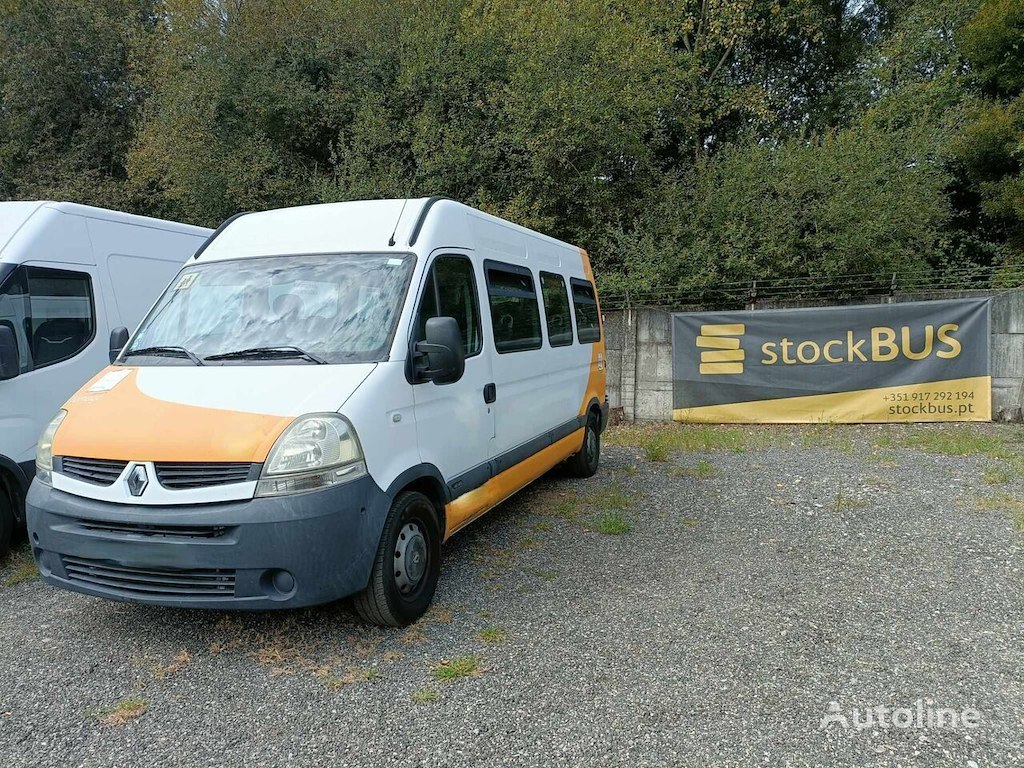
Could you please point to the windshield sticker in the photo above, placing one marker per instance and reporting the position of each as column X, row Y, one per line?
column 186, row 281
column 109, row 381
column 394, row 262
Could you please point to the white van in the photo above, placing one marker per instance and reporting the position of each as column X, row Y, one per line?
column 316, row 403
column 69, row 276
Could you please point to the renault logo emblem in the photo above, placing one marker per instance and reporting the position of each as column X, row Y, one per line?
column 137, row 480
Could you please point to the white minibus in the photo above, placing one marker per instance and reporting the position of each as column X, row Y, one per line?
column 319, row 399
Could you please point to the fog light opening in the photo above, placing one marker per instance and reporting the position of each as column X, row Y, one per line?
column 277, row 584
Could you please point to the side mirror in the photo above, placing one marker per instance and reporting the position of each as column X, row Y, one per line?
column 118, row 338
column 10, row 358
column 445, row 358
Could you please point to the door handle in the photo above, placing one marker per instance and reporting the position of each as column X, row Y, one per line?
column 490, row 393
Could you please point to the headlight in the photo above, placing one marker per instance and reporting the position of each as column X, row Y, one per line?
column 315, row 452
column 44, row 449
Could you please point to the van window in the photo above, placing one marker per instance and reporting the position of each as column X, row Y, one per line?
column 588, row 325
column 51, row 312
column 450, row 291
column 338, row 308
column 515, row 313
column 556, row 309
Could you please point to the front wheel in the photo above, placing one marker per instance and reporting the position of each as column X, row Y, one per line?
column 585, row 463
column 407, row 564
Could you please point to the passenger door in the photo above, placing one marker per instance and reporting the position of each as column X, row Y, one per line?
column 538, row 390
column 455, row 422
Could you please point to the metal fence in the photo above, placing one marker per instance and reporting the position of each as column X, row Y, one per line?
column 816, row 291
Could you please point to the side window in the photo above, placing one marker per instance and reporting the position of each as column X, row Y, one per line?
column 556, row 309
column 52, row 313
column 515, row 313
column 16, row 314
column 588, row 325
column 450, row 291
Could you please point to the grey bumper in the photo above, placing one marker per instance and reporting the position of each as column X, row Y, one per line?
column 281, row 552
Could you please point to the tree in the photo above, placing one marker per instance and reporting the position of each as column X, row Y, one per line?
column 67, row 98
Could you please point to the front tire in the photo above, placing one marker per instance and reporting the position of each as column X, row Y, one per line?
column 407, row 564
column 586, row 462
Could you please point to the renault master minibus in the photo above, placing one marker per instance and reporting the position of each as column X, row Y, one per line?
column 319, row 399
column 69, row 276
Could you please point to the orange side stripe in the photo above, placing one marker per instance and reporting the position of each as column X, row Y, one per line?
column 469, row 506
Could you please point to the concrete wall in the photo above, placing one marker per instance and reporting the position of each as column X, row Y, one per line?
column 639, row 346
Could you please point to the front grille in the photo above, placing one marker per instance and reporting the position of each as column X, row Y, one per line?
column 153, row 582
column 178, row 476
column 95, row 471
column 156, row 531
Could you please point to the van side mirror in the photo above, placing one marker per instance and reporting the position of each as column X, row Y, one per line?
column 118, row 338
column 445, row 360
column 10, row 358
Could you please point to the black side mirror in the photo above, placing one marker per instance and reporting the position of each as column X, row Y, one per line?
column 118, row 338
column 445, row 358
column 10, row 358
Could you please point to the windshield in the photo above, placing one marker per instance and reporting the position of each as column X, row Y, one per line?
column 324, row 308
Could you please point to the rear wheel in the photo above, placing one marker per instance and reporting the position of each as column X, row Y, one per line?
column 6, row 523
column 585, row 463
column 407, row 564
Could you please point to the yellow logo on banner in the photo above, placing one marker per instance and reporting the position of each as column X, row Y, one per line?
column 722, row 345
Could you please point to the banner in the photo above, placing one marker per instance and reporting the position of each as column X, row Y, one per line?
column 921, row 361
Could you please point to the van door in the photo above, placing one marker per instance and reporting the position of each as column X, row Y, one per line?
column 455, row 422
column 538, row 389
column 53, row 312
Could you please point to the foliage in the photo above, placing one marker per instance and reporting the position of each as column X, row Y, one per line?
column 683, row 142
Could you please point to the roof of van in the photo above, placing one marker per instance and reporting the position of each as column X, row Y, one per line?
column 88, row 211
column 399, row 225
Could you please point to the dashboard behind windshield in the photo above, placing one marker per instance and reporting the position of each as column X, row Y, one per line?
column 341, row 308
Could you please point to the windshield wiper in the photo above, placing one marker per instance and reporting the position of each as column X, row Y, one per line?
column 269, row 353
column 165, row 352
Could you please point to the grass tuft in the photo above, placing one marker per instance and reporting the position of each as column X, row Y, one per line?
column 960, row 440
column 492, row 635
column 425, row 696
column 656, row 448
column 704, row 468
column 124, row 712
column 1004, row 502
column 612, row 524
column 351, row 677
column 997, row 475
column 457, row 668
column 178, row 663
column 21, row 568
column 611, row 497
column 845, row 501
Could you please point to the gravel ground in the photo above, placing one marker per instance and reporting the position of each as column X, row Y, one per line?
column 755, row 588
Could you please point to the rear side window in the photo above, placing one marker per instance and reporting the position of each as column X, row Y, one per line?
column 556, row 309
column 515, row 313
column 450, row 291
column 51, row 312
column 588, row 325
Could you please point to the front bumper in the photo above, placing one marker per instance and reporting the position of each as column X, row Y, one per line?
column 280, row 552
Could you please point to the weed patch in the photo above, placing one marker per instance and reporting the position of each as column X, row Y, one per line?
column 612, row 524
column 124, row 712
column 492, row 635
column 21, row 568
column 457, row 668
